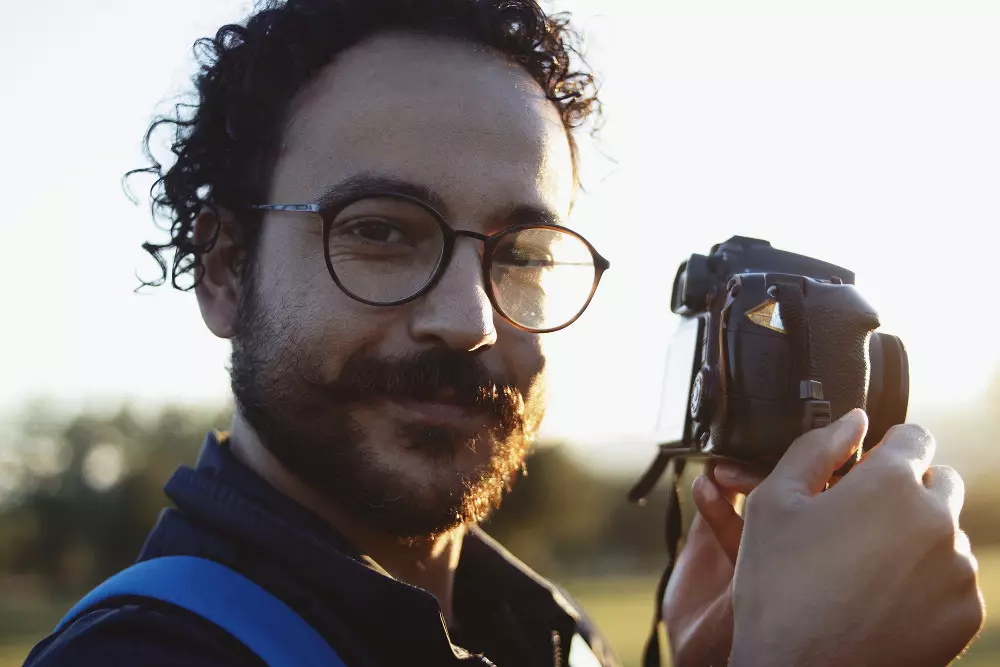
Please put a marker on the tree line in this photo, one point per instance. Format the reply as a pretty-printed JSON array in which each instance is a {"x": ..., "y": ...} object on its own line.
[{"x": 79, "y": 493}]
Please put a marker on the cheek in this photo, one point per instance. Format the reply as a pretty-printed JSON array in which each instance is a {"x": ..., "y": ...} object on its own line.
[
  {"x": 524, "y": 358},
  {"x": 307, "y": 309},
  {"x": 525, "y": 362}
]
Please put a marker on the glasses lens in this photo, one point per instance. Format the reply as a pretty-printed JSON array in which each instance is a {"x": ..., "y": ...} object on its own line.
[
  {"x": 384, "y": 249},
  {"x": 542, "y": 278}
]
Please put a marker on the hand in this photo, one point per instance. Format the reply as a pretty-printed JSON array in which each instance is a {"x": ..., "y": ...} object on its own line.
[
  {"x": 874, "y": 571},
  {"x": 698, "y": 603}
]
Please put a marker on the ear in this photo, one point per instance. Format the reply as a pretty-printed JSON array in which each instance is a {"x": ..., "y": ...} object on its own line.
[{"x": 219, "y": 288}]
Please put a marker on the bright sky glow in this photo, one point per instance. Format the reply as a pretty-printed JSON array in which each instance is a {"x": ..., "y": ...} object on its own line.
[{"x": 864, "y": 133}]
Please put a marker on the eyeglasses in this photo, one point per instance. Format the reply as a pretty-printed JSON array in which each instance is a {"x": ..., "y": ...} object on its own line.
[{"x": 389, "y": 249}]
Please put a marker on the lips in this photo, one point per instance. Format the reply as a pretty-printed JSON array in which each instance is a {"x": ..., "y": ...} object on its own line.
[
  {"x": 437, "y": 412},
  {"x": 443, "y": 406}
]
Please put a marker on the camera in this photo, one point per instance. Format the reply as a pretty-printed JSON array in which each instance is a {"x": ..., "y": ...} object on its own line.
[{"x": 772, "y": 344}]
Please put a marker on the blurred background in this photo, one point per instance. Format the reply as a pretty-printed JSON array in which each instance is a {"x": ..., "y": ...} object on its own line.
[{"x": 861, "y": 132}]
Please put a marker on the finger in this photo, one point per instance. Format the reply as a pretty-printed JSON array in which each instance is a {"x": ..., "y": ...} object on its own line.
[
  {"x": 733, "y": 495},
  {"x": 834, "y": 481},
  {"x": 963, "y": 547},
  {"x": 908, "y": 443},
  {"x": 812, "y": 459},
  {"x": 737, "y": 477},
  {"x": 707, "y": 641},
  {"x": 945, "y": 483},
  {"x": 719, "y": 514},
  {"x": 964, "y": 550}
]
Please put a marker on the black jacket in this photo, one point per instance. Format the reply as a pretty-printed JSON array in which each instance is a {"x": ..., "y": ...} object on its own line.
[{"x": 506, "y": 614}]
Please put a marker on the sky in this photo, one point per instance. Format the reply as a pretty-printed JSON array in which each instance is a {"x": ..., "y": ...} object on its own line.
[{"x": 863, "y": 132}]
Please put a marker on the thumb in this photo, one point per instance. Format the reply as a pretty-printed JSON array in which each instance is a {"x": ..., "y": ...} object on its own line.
[{"x": 814, "y": 456}]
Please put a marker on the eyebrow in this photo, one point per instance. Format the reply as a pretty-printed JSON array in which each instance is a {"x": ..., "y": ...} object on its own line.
[
  {"x": 527, "y": 214},
  {"x": 362, "y": 185},
  {"x": 366, "y": 184}
]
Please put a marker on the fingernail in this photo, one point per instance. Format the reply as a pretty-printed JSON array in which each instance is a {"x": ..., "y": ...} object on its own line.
[
  {"x": 851, "y": 417},
  {"x": 696, "y": 485},
  {"x": 727, "y": 474},
  {"x": 705, "y": 487}
]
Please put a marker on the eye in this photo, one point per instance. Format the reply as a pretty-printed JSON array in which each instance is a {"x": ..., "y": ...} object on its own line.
[
  {"x": 523, "y": 256},
  {"x": 374, "y": 230}
]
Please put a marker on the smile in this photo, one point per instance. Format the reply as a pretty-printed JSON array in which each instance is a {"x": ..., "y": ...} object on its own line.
[{"x": 436, "y": 412}]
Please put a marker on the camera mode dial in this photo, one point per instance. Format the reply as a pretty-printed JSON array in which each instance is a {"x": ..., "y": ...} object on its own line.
[{"x": 701, "y": 395}]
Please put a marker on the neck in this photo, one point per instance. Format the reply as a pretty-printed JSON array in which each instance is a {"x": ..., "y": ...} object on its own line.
[{"x": 428, "y": 564}]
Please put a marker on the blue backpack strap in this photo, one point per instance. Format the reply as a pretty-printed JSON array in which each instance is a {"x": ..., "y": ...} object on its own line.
[{"x": 262, "y": 622}]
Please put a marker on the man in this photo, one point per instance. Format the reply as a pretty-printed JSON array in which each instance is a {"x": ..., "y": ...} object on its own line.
[{"x": 370, "y": 197}]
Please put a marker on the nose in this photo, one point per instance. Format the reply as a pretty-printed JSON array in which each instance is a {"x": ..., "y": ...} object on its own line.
[{"x": 457, "y": 311}]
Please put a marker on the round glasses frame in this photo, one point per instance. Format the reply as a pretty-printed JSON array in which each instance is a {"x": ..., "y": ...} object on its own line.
[{"x": 450, "y": 236}]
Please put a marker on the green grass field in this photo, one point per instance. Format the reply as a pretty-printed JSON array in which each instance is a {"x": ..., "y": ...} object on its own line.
[{"x": 622, "y": 608}]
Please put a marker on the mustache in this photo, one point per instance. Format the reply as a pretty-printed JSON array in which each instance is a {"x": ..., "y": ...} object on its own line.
[{"x": 437, "y": 374}]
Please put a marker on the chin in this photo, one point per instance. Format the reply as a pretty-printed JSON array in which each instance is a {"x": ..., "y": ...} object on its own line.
[
  {"x": 433, "y": 490},
  {"x": 407, "y": 479},
  {"x": 433, "y": 473}
]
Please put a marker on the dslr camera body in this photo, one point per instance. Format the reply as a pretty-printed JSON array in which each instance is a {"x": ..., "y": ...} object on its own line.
[{"x": 772, "y": 344}]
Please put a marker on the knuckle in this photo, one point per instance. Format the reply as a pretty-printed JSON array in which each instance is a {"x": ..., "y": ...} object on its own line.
[
  {"x": 955, "y": 483},
  {"x": 968, "y": 574},
  {"x": 944, "y": 469},
  {"x": 914, "y": 438},
  {"x": 761, "y": 501},
  {"x": 963, "y": 547},
  {"x": 756, "y": 501},
  {"x": 968, "y": 606},
  {"x": 973, "y": 614},
  {"x": 910, "y": 431},
  {"x": 896, "y": 474},
  {"x": 965, "y": 570},
  {"x": 940, "y": 524},
  {"x": 973, "y": 564}
]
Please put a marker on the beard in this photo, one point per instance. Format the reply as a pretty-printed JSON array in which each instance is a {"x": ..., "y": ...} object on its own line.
[{"x": 316, "y": 427}]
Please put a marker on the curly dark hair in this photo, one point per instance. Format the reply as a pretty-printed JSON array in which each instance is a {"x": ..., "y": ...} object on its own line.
[{"x": 225, "y": 143}]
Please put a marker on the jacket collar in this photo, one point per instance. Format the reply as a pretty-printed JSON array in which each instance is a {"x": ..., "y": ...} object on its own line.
[{"x": 227, "y": 497}]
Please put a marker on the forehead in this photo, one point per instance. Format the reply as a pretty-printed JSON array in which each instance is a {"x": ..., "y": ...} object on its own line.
[{"x": 443, "y": 114}]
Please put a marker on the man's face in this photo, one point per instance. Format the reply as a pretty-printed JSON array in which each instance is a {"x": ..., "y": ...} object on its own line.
[{"x": 411, "y": 417}]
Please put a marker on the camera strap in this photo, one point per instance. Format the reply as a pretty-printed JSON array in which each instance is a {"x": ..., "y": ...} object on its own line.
[
  {"x": 674, "y": 525},
  {"x": 670, "y": 460}
]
